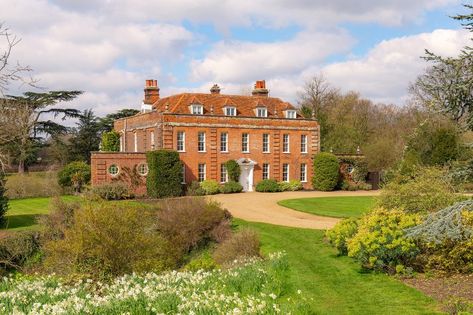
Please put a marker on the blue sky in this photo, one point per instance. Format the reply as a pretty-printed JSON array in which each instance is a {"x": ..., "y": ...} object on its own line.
[{"x": 108, "y": 48}]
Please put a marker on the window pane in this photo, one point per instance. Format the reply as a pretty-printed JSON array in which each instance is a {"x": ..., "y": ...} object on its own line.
[{"x": 201, "y": 142}]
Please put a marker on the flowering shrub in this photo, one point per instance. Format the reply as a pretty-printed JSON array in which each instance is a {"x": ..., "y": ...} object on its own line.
[
  {"x": 251, "y": 288},
  {"x": 380, "y": 242},
  {"x": 341, "y": 233}
]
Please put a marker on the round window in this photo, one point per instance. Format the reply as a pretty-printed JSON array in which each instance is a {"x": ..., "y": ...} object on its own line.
[
  {"x": 143, "y": 169},
  {"x": 350, "y": 169},
  {"x": 113, "y": 170}
]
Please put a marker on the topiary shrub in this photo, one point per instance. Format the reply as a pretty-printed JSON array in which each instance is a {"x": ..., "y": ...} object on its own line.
[
  {"x": 3, "y": 199},
  {"x": 231, "y": 187},
  {"x": 268, "y": 185},
  {"x": 233, "y": 170},
  {"x": 381, "y": 242},
  {"x": 110, "y": 141},
  {"x": 210, "y": 187},
  {"x": 326, "y": 172},
  {"x": 75, "y": 174},
  {"x": 113, "y": 191},
  {"x": 194, "y": 189},
  {"x": 164, "y": 174},
  {"x": 243, "y": 244},
  {"x": 341, "y": 233}
]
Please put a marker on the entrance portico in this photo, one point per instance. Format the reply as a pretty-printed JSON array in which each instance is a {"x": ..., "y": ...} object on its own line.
[{"x": 246, "y": 175}]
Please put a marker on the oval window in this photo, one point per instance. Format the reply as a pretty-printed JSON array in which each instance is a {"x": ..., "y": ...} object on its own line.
[
  {"x": 113, "y": 170},
  {"x": 350, "y": 169},
  {"x": 143, "y": 169}
]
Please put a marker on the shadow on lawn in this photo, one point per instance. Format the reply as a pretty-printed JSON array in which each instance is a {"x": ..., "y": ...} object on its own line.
[{"x": 22, "y": 220}]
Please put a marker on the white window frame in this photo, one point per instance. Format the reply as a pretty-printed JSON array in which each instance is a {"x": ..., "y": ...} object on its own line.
[
  {"x": 197, "y": 109},
  {"x": 285, "y": 173},
  {"x": 202, "y": 172},
  {"x": 135, "y": 139},
  {"x": 223, "y": 174},
  {"x": 110, "y": 173},
  {"x": 183, "y": 140},
  {"x": 303, "y": 176},
  {"x": 261, "y": 112},
  {"x": 266, "y": 149},
  {"x": 224, "y": 142},
  {"x": 245, "y": 143},
  {"x": 286, "y": 143},
  {"x": 201, "y": 141},
  {"x": 291, "y": 114},
  {"x": 152, "y": 144},
  {"x": 183, "y": 174},
  {"x": 304, "y": 145},
  {"x": 230, "y": 111},
  {"x": 267, "y": 173},
  {"x": 146, "y": 170}
]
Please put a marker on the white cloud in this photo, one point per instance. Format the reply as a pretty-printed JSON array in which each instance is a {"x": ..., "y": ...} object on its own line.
[
  {"x": 385, "y": 72},
  {"x": 244, "y": 61}
]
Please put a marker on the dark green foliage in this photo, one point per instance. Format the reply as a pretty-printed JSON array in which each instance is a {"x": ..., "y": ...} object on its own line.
[
  {"x": 164, "y": 175},
  {"x": 326, "y": 172},
  {"x": 107, "y": 121},
  {"x": 110, "y": 141},
  {"x": 3, "y": 198},
  {"x": 75, "y": 174},
  {"x": 231, "y": 187},
  {"x": 194, "y": 189},
  {"x": 233, "y": 170},
  {"x": 268, "y": 185},
  {"x": 86, "y": 136},
  {"x": 434, "y": 143}
]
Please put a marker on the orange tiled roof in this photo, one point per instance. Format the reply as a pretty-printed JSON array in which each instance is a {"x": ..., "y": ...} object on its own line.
[{"x": 245, "y": 105}]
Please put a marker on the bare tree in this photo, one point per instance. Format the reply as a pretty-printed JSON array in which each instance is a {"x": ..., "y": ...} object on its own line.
[{"x": 318, "y": 93}]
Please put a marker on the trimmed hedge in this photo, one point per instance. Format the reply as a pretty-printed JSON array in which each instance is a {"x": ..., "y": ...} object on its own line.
[
  {"x": 164, "y": 175},
  {"x": 326, "y": 172},
  {"x": 268, "y": 185},
  {"x": 110, "y": 141},
  {"x": 231, "y": 187},
  {"x": 210, "y": 187}
]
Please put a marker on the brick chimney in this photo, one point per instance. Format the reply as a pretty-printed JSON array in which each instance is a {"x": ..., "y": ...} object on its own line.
[
  {"x": 151, "y": 92},
  {"x": 260, "y": 89},
  {"x": 215, "y": 89}
]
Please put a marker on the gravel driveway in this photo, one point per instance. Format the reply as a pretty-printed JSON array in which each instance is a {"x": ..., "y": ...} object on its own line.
[{"x": 263, "y": 207}]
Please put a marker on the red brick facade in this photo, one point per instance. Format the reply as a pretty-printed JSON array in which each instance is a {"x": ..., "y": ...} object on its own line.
[{"x": 174, "y": 115}]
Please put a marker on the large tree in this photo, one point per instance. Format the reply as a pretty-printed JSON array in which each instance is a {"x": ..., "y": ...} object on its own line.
[
  {"x": 86, "y": 136},
  {"x": 447, "y": 86},
  {"x": 107, "y": 121},
  {"x": 36, "y": 121}
]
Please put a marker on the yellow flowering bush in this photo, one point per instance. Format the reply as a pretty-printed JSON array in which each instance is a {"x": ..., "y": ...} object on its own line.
[
  {"x": 380, "y": 242},
  {"x": 341, "y": 233}
]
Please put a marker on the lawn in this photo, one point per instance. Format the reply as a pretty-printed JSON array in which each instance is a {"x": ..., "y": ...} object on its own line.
[
  {"x": 22, "y": 213},
  {"x": 338, "y": 207},
  {"x": 336, "y": 284}
]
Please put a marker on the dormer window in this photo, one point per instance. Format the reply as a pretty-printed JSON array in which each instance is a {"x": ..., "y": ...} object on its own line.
[
  {"x": 291, "y": 114},
  {"x": 261, "y": 112},
  {"x": 197, "y": 109},
  {"x": 230, "y": 111}
]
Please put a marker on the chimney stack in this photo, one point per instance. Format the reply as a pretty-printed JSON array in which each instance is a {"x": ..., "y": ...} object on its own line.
[
  {"x": 260, "y": 89},
  {"x": 215, "y": 89},
  {"x": 151, "y": 92}
]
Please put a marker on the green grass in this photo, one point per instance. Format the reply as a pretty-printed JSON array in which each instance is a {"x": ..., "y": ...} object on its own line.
[
  {"x": 338, "y": 207},
  {"x": 337, "y": 284},
  {"x": 22, "y": 213}
]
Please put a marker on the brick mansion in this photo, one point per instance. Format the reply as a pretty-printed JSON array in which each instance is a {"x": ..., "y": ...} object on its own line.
[{"x": 265, "y": 135}]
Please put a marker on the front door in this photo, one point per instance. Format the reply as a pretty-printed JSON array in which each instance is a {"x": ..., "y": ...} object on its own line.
[{"x": 245, "y": 178}]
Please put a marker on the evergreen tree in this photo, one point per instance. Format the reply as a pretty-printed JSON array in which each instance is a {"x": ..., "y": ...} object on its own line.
[{"x": 86, "y": 136}]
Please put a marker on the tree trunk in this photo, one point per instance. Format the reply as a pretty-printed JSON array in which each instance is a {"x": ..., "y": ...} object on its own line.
[{"x": 21, "y": 167}]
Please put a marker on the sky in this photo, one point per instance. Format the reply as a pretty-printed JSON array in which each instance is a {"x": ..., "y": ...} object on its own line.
[{"x": 108, "y": 48}]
